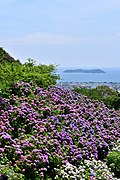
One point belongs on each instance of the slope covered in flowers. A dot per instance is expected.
(42, 128)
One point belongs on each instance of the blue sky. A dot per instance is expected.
(71, 33)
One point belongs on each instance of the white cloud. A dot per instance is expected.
(40, 38)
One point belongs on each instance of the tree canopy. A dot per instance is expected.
(11, 72)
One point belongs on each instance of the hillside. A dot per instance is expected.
(41, 129)
(49, 132)
(5, 57)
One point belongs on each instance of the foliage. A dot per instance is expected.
(6, 58)
(42, 127)
(9, 171)
(113, 160)
(41, 75)
(102, 93)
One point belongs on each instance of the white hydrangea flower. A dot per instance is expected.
(97, 169)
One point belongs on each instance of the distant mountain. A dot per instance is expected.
(84, 71)
(5, 57)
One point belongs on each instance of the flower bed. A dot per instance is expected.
(42, 128)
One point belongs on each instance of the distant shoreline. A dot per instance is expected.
(113, 85)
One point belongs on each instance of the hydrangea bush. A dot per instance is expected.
(40, 128)
(113, 160)
(9, 170)
(87, 170)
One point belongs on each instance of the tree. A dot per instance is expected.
(41, 75)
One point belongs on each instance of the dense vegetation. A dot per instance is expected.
(41, 129)
(102, 93)
(5, 57)
(41, 75)
(47, 132)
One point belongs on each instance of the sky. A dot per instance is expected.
(68, 33)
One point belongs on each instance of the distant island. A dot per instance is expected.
(83, 71)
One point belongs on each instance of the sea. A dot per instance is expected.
(110, 75)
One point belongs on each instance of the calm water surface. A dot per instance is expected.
(110, 75)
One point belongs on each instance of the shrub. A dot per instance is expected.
(87, 170)
(9, 171)
(41, 75)
(102, 93)
(113, 160)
